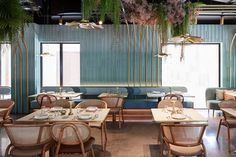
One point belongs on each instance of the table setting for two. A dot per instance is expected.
(55, 114)
(175, 113)
(89, 113)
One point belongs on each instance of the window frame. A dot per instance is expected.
(61, 61)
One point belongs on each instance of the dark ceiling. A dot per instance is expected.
(49, 11)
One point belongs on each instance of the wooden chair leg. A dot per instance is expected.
(113, 117)
(228, 130)
(120, 114)
(218, 131)
(105, 134)
(102, 130)
(93, 154)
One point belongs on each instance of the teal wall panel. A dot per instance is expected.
(123, 58)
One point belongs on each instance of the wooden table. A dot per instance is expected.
(158, 95)
(161, 115)
(124, 95)
(59, 95)
(231, 111)
(62, 95)
(99, 116)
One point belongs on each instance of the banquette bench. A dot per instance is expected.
(136, 99)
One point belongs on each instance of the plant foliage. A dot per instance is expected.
(12, 19)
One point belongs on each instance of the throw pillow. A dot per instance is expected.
(227, 96)
(219, 94)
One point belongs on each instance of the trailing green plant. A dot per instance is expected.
(88, 7)
(163, 24)
(111, 9)
(189, 18)
(12, 19)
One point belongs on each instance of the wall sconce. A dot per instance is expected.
(60, 21)
(222, 20)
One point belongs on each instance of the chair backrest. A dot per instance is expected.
(45, 100)
(169, 103)
(28, 135)
(174, 97)
(93, 102)
(113, 101)
(9, 104)
(62, 103)
(183, 134)
(228, 104)
(70, 133)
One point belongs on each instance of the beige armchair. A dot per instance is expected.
(228, 121)
(115, 103)
(5, 114)
(184, 139)
(28, 140)
(45, 100)
(174, 97)
(72, 138)
(169, 103)
(99, 104)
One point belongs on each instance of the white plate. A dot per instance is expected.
(91, 109)
(55, 109)
(85, 116)
(50, 92)
(178, 116)
(41, 117)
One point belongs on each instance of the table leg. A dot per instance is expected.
(104, 130)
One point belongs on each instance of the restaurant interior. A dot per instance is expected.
(117, 78)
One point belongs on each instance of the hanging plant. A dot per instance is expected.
(88, 7)
(112, 10)
(182, 17)
(12, 19)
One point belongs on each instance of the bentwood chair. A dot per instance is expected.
(184, 139)
(28, 140)
(174, 97)
(115, 103)
(169, 103)
(228, 121)
(102, 126)
(45, 100)
(5, 115)
(72, 138)
(62, 103)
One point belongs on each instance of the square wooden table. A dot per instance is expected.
(161, 115)
(124, 95)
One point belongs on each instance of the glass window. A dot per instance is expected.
(5, 64)
(51, 64)
(196, 71)
(60, 64)
(71, 64)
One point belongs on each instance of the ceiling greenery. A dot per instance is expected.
(173, 17)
